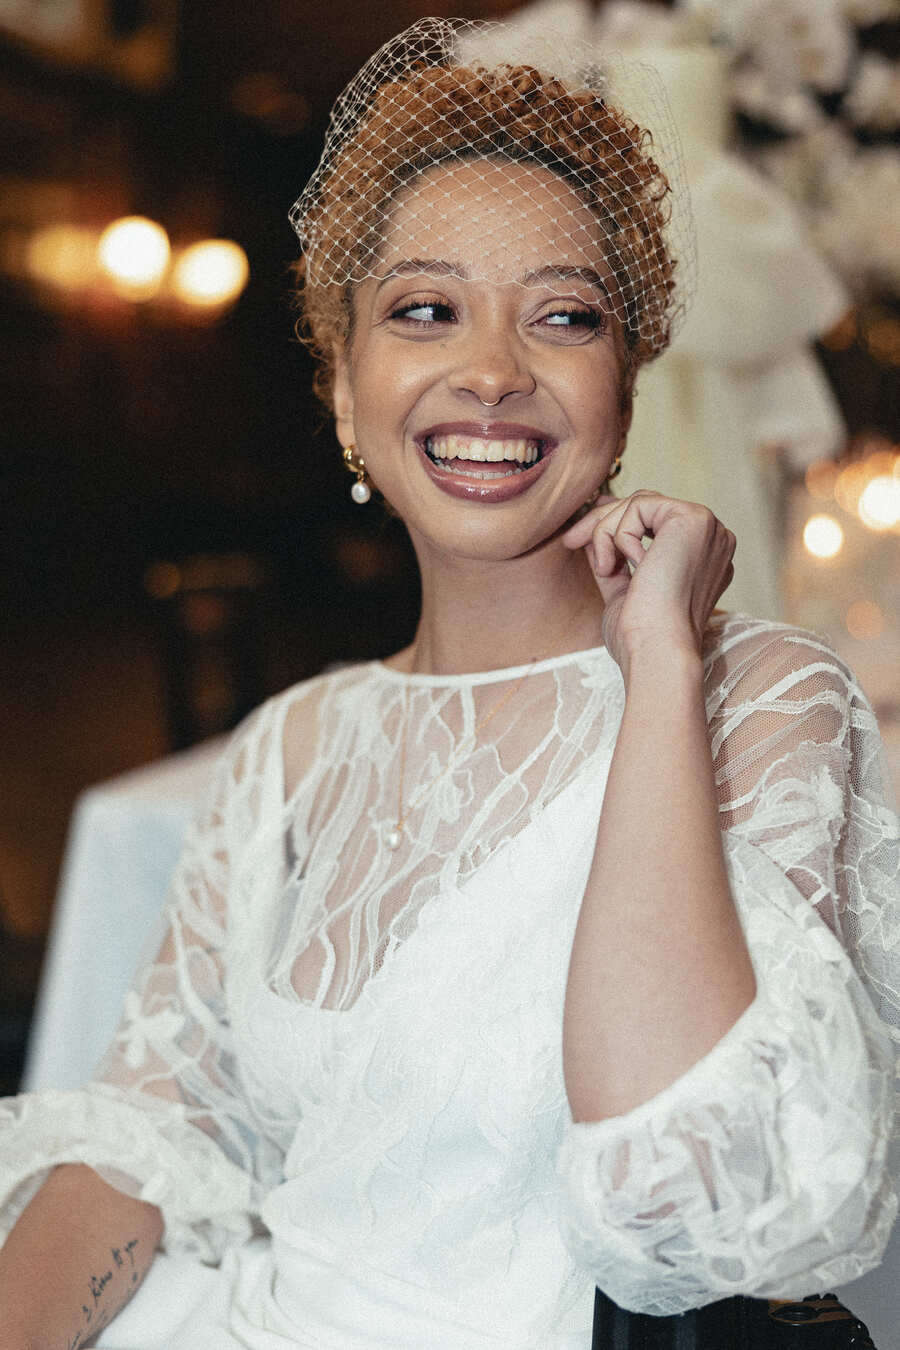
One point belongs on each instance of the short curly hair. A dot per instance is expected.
(514, 113)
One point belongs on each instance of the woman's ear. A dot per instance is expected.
(342, 395)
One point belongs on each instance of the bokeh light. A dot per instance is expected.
(162, 580)
(850, 484)
(879, 502)
(823, 536)
(63, 256)
(843, 334)
(211, 273)
(883, 341)
(134, 252)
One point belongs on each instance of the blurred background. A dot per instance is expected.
(177, 537)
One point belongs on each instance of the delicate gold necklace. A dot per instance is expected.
(393, 836)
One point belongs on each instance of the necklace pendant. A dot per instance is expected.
(393, 837)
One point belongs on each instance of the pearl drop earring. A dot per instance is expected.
(360, 491)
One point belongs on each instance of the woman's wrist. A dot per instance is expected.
(662, 659)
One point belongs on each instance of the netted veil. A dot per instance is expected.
(450, 91)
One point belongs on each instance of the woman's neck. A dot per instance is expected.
(480, 615)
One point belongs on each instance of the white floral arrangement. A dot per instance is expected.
(785, 55)
(797, 67)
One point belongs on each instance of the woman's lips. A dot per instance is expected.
(480, 461)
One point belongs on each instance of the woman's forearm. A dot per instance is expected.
(659, 968)
(77, 1254)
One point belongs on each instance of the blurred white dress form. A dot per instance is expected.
(739, 394)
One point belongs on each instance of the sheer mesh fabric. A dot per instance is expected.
(740, 1177)
(465, 796)
(368, 1042)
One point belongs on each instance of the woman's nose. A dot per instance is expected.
(491, 367)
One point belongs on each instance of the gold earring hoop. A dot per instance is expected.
(360, 491)
(616, 469)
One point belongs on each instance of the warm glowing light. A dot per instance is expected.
(820, 479)
(864, 619)
(850, 484)
(211, 273)
(883, 341)
(63, 256)
(843, 334)
(134, 252)
(162, 580)
(879, 502)
(873, 447)
(823, 537)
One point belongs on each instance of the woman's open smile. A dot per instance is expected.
(484, 461)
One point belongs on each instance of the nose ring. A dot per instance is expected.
(485, 404)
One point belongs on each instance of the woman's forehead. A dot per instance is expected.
(494, 220)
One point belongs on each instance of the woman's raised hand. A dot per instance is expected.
(661, 595)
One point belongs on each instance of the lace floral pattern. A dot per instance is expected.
(338, 1039)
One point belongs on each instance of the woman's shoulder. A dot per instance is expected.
(298, 715)
(302, 699)
(746, 659)
(280, 735)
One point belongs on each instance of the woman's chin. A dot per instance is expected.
(485, 541)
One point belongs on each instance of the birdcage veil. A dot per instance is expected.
(447, 92)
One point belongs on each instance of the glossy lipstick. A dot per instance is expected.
(502, 479)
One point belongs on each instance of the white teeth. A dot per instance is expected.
(481, 473)
(484, 451)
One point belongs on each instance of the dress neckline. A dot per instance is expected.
(492, 676)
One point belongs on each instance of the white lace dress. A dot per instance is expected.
(341, 1077)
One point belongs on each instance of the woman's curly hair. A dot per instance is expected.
(441, 114)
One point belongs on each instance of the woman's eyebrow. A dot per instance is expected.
(561, 272)
(410, 267)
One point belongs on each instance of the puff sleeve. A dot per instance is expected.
(763, 1170)
(166, 1119)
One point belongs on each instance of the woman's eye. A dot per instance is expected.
(424, 312)
(575, 319)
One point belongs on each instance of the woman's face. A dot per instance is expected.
(484, 381)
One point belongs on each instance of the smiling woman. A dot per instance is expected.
(555, 952)
(447, 337)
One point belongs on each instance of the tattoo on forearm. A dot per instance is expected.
(108, 1291)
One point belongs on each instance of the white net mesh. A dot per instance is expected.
(565, 160)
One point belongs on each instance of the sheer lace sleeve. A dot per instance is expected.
(763, 1169)
(166, 1119)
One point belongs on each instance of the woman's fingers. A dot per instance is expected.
(598, 530)
(605, 558)
(637, 519)
(577, 535)
(618, 529)
(697, 547)
(612, 587)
